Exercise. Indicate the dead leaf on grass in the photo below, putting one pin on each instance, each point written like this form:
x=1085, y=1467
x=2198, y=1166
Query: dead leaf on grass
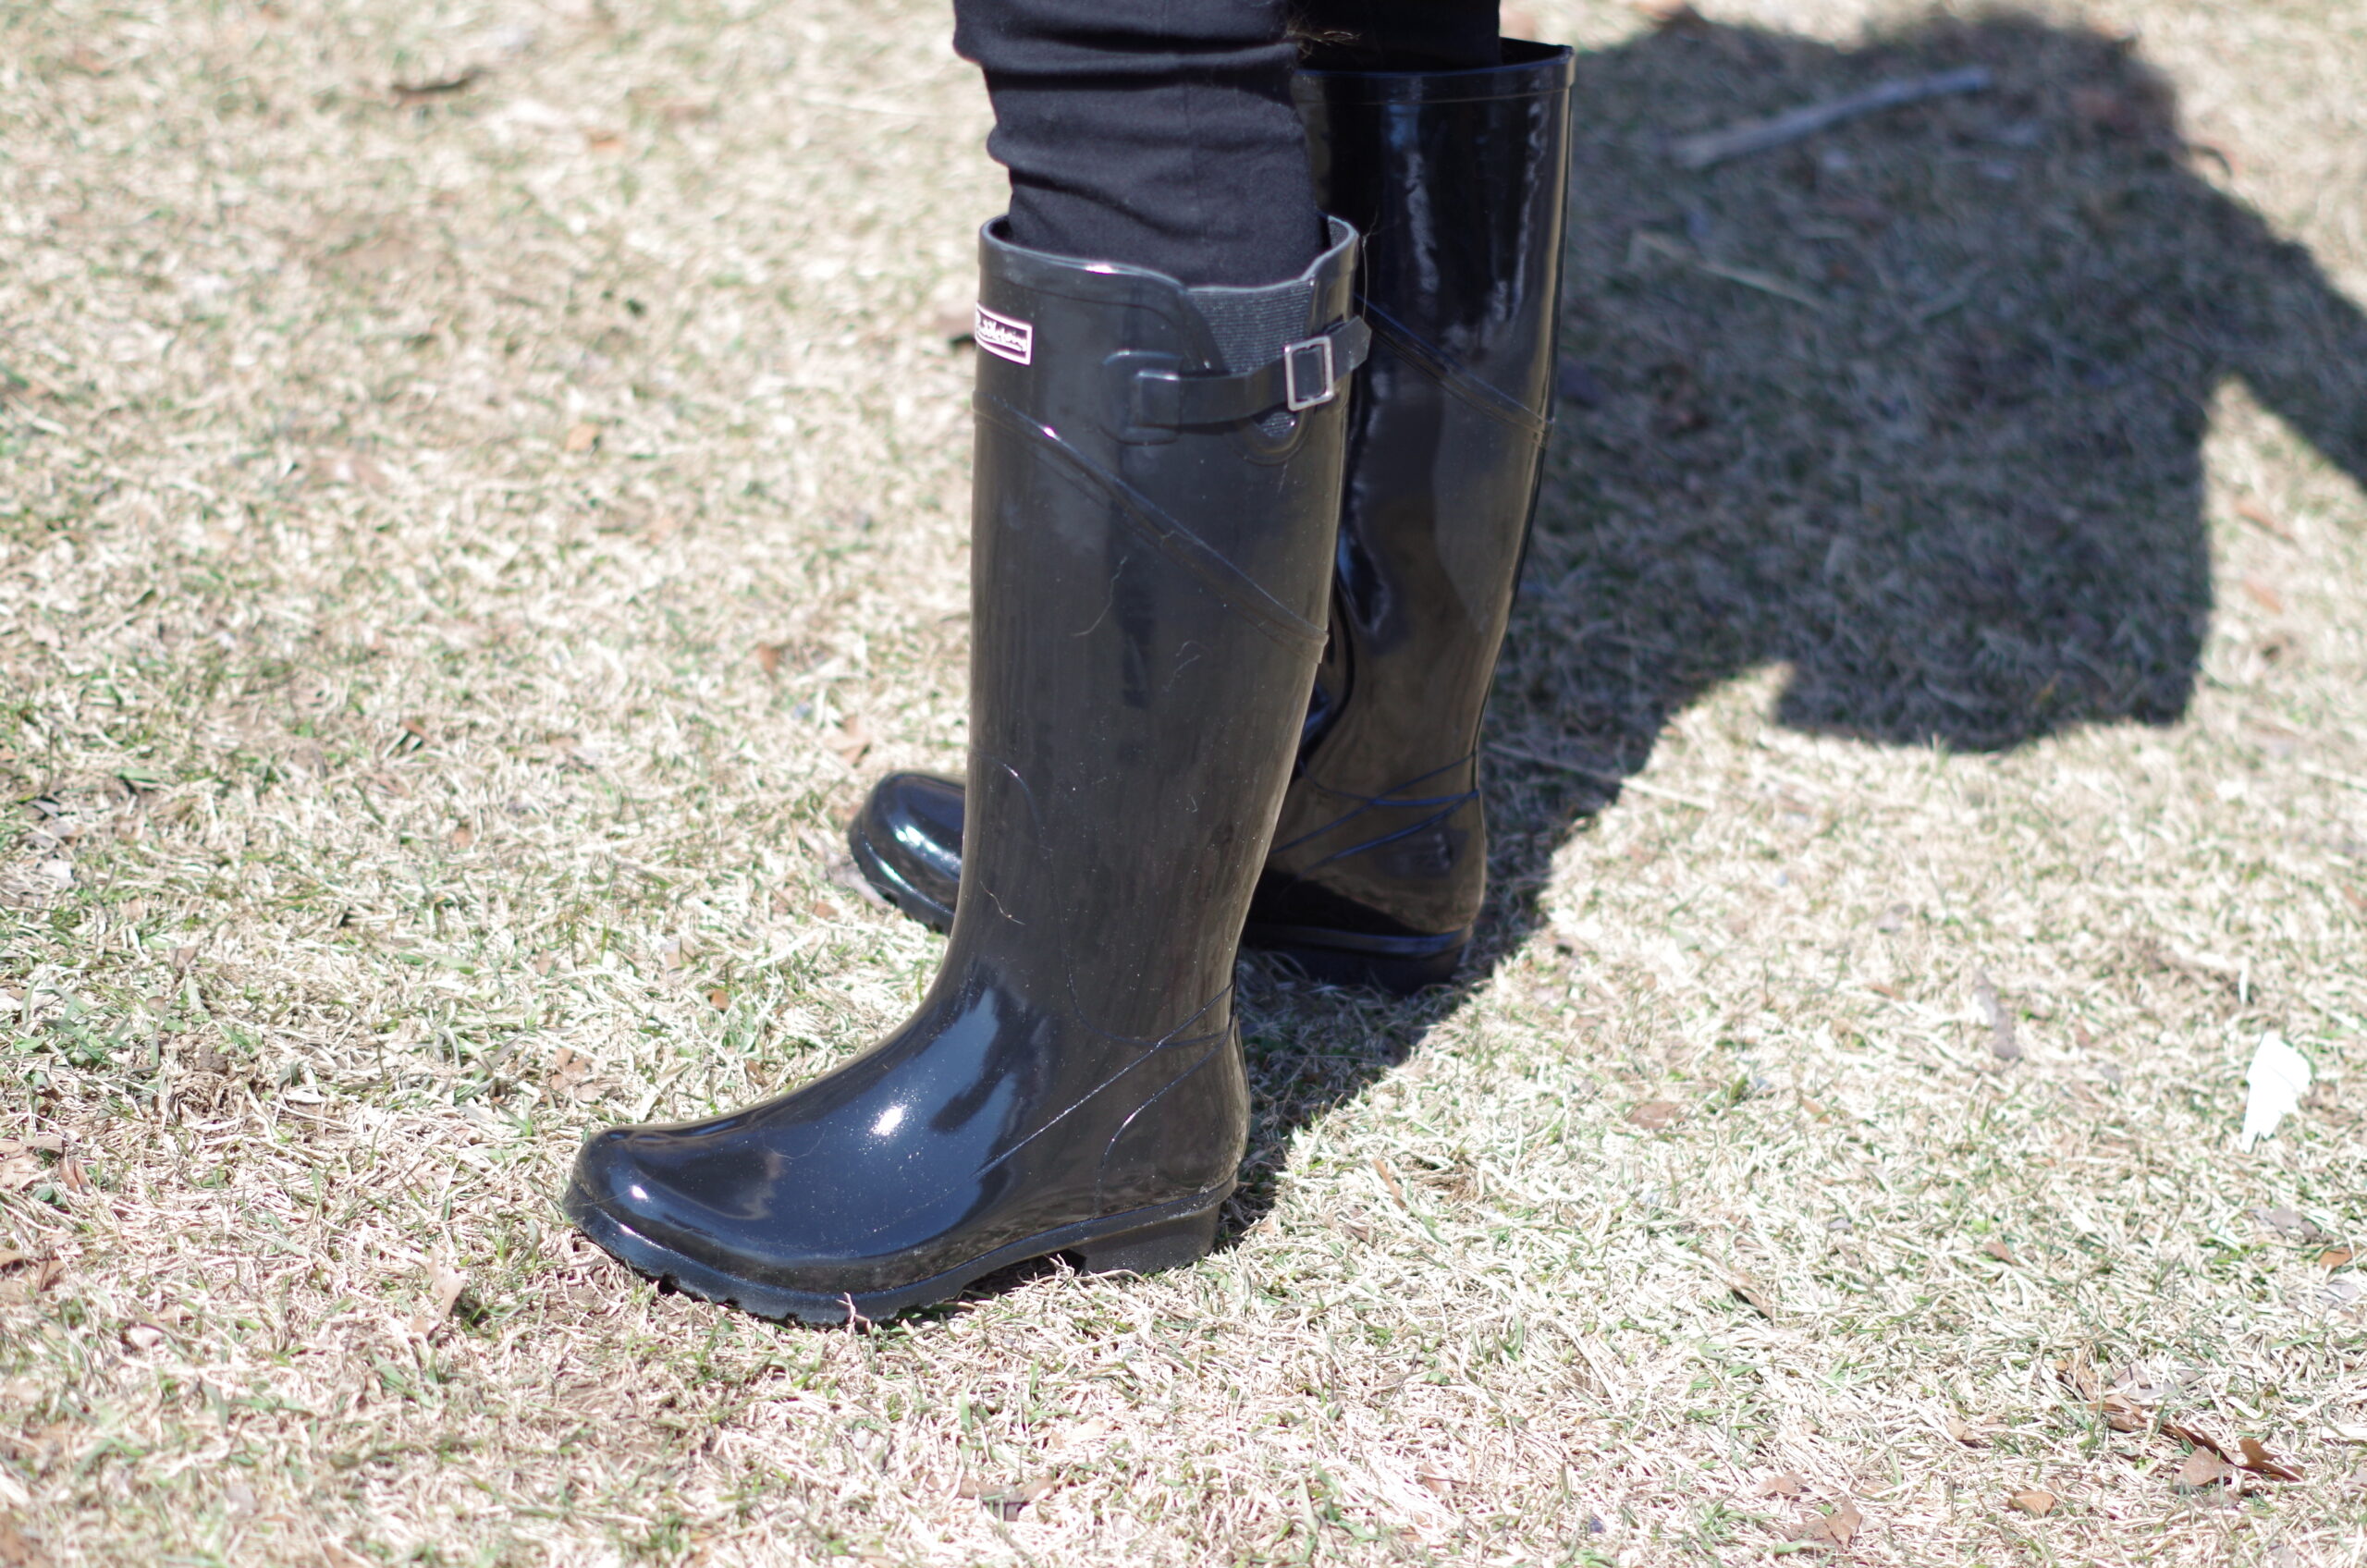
x=1758, y=1300
x=1968, y=1436
x=1996, y=1247
x=2202, y=1469
x=142, y=1336
x=29, y=1282
x=768, y=658
x=2255, y=513
x=1008, y=1502
x=580, y=438
x=718, y=999
x=448, y=1284
x=568, y=1072
x=1784, y=1483
x=2334, y=1257
x=2260, y=1461
x=2290, y=1222
x=2002, y=1043
x=854, y=740
x=2035, y=1503
x=2263, y=595
x=16, y=1549
x=1654, y=1115
x=1834, y=1529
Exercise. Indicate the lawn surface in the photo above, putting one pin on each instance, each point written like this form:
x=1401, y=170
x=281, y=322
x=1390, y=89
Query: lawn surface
x=482, y=486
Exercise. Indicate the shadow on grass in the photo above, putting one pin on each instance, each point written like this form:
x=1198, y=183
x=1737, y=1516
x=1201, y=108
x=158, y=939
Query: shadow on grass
x=1913, y=406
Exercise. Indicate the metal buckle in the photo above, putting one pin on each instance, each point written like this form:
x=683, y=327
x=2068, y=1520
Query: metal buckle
x=1315, y=354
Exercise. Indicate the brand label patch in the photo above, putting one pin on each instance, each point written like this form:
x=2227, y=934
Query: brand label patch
x=1014, y=340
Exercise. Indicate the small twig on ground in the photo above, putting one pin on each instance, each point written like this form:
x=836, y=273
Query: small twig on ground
x=1757, y=135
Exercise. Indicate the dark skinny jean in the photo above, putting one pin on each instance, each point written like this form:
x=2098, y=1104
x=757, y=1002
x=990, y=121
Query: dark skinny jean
x=1159, y=133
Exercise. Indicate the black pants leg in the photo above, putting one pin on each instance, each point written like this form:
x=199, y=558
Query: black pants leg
x=1161, y=133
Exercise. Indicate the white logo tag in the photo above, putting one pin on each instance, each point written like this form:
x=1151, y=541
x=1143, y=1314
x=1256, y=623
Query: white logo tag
x=1014, y=340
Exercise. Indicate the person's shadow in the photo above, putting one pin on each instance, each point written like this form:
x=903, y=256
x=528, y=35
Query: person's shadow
x=1913, y=406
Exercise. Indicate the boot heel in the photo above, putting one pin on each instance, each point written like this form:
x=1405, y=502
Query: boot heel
x=1168, y=1243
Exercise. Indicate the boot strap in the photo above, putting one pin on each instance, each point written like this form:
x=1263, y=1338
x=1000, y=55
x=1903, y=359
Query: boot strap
x=1158, y=394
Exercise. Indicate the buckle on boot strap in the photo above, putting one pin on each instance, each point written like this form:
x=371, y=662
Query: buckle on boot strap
x=1308, y=379
x=1306, y=374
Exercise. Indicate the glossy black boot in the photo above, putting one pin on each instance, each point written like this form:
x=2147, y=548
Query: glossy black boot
x=1152, y=539
x=1380, y=863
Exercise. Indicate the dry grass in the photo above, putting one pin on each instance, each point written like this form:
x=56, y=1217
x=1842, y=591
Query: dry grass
x=461, y=553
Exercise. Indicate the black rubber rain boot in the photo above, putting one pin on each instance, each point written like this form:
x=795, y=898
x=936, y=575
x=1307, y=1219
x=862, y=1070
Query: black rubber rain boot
x=1380, y=862
x=1153, y=534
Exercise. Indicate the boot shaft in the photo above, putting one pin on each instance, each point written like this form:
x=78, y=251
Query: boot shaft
x=1151, y=550
x=1458, y=177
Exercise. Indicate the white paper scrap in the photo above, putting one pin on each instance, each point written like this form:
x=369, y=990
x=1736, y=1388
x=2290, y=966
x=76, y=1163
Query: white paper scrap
x=2276, y=1080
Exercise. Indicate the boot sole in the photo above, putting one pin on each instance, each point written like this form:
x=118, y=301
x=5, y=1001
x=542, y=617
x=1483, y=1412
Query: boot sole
x=1400, y=965
x=1141, y=1241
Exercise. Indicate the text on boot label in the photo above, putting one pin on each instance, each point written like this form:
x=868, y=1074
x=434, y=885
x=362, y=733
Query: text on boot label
x=1014, y=340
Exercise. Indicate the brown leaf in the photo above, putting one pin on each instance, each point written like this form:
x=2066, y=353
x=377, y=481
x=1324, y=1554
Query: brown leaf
x=2002, y=1044
x=1965, y=1434
x=2263, y=595
x=2034, y=1503
x=2120, y=1414
x=1786, y=1483
x=854, y=739
x=20, y=1172
x=463, y=836
x=580, y=438
x=142, y=1336
x=1996, y=1247
x=1654, y=1115
x=606, y=142
x=1830, y=1529
x=1006, y=1502
x=2201, y=1469
x=2292, y=1222
x=2259, y=516
x=448, y=1283
x=718, y=999
x=16, y=1550
x=2260, y=1461
x=768, y=658
x=1759, y=1300
x=2334, y=1257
